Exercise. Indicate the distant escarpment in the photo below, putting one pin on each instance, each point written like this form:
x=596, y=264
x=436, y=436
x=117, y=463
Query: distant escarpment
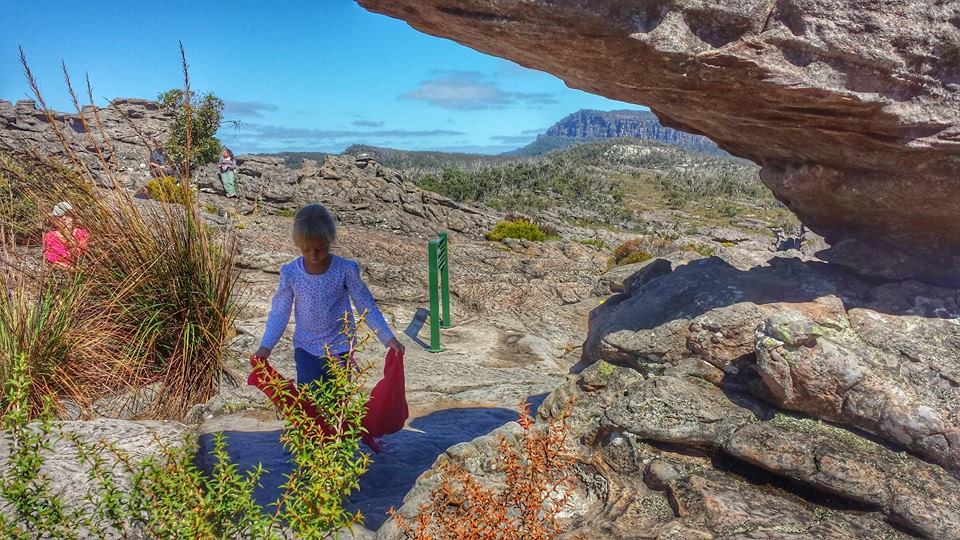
x=590, y=125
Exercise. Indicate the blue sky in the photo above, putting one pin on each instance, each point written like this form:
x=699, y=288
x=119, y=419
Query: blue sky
x=313, y=75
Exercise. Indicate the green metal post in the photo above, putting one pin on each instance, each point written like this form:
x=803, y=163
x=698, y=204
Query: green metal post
x=432, y=249
x=447, y=318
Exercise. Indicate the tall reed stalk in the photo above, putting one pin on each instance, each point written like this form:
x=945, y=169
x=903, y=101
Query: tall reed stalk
x=153, y=273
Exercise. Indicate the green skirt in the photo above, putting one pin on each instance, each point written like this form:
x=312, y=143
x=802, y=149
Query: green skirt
x=228, y=178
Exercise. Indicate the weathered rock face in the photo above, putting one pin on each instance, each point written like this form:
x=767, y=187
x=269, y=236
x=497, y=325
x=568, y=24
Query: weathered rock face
x=24, y=126
x=750, y=396
x=851, y=109
x=366, y=194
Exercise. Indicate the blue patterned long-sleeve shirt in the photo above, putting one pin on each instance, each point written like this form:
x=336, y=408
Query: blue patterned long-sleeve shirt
x=319, y=303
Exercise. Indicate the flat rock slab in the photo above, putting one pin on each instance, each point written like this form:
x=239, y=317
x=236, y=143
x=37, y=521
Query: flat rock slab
x=255, y=438
x=69, y=477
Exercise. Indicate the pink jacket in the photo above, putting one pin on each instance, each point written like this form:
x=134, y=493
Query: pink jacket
x=57, y=252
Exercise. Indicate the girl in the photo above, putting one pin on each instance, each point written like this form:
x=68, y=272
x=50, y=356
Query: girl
x=64, y=244
x=228, y=173
x=319, y=287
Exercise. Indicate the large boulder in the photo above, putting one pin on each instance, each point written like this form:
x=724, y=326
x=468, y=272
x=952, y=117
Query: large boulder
x=851, y=109
x=749, y=396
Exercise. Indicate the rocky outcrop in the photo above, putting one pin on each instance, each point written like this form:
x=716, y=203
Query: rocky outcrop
x=360, y=193
x=750, y=396
x=131, y=125
x=853, y=111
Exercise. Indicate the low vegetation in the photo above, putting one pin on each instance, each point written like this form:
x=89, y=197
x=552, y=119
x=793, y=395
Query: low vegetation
x=538, y=480
x=605, y=183
x=530, y=187
x=166, y=189
x=166, y=495
x=519, y=228
x=637, y=250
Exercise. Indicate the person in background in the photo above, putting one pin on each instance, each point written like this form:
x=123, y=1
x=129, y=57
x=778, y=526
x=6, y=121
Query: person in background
x=65, y=243
x=159, y=166
x=228, y=173
x=319, y=286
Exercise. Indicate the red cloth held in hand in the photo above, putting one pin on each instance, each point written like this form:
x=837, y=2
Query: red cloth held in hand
x=386, y=409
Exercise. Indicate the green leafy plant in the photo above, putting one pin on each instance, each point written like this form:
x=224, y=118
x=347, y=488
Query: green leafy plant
x=168, y=496
x=32, y=509
x=195, y=117
x=521, y=229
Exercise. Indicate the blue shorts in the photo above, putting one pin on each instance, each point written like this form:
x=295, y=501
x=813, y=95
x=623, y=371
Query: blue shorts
x=311, y=367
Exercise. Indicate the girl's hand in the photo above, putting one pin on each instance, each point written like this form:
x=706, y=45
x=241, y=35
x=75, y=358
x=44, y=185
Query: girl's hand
x=262, y=353
x=395, y=344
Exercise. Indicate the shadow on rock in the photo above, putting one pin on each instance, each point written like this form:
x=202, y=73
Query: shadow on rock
x=392, y=473
x=412, y=451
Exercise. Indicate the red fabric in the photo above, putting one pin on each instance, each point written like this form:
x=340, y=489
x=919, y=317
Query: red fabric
x=386, y=409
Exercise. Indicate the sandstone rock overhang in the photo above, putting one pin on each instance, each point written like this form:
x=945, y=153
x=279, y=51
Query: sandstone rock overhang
x=852, y=109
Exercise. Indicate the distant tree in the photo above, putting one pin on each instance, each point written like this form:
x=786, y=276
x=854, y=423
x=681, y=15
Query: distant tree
x=205, y=116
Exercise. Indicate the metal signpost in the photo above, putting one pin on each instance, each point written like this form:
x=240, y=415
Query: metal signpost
x=439, y=262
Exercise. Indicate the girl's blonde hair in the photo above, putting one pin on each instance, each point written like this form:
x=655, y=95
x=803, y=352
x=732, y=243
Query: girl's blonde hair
x=314, y=225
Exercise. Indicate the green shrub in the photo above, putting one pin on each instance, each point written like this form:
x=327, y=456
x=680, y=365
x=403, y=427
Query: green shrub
x=167, y=189
x=594, y=242
x=703, y=249
x=168, y=495
x=206, y=112
x=286, y=212
x=524, y=230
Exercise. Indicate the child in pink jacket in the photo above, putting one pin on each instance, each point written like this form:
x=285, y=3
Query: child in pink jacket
x=64, y=244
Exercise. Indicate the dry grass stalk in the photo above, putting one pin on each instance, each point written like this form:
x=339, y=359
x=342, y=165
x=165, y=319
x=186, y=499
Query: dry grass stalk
x=151, y=271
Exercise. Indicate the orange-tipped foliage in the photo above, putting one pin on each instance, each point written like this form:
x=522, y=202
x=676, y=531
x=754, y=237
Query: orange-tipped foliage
x=539, y=480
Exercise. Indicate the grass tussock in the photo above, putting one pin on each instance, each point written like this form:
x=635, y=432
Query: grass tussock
x=638, y=250
x=155, y=284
